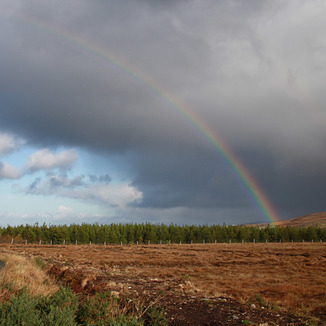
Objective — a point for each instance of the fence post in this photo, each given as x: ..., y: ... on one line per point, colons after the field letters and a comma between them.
x: 12, y: 240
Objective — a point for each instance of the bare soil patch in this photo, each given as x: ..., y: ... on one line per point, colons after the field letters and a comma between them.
x: 201, y: 284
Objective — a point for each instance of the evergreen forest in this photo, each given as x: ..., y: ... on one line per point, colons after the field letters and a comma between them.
x: 147, y: 233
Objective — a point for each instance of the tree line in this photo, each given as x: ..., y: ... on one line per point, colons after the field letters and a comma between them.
x: 130, y: 233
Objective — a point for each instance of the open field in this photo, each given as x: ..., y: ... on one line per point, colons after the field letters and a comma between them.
x: 289, y: 277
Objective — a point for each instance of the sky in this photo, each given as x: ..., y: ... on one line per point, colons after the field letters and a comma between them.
x: 186, y: 112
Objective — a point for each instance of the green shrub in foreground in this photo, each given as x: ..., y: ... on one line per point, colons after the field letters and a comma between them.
x: 56, y: 310
x: 63, y: 308
x: 107, y: 309
x: 156, y: 317
x: 20, y: 310
x: 59, y: 309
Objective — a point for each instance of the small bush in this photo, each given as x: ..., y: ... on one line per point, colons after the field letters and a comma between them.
x: 19, y: 310
x: 156, y: 317
x: 261, y: 301
x: 60, y: 308
x: 105, y: 308
x: 24, y: 309
x: 247, y: 322
x: 40, y: 262
x: 7, y: 285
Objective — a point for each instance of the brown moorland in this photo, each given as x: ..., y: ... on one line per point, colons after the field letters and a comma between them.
x: 280, y: 279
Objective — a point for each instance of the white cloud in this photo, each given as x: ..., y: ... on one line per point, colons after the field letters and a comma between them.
x: 46, y: 160
x: 8, y: 171
x: 8, y: 144
x: 64, y: 210
x: 117, y: 195
x: 49, y: 217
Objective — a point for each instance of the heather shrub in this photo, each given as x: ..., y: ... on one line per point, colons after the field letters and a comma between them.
x: 105, y: 308
x: 20, y: 310
x: 59, y: 309
x: 24, y: 309
x: 156, y: 316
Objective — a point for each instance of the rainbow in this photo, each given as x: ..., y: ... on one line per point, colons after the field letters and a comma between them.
x: 252, y: 188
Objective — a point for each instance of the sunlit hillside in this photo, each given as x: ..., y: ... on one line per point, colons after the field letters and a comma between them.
x: 316, y: 219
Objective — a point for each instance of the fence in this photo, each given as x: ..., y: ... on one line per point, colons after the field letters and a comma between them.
x: 8, y: 240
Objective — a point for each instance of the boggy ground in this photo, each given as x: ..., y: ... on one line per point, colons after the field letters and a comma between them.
x: 201, y: 284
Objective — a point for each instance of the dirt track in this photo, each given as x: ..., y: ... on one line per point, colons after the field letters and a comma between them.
x: 201, y: 284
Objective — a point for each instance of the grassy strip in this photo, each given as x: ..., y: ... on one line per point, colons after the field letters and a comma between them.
x: 20, y: 273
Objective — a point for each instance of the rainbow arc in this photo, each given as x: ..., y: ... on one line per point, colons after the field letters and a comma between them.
x: 253, y: 189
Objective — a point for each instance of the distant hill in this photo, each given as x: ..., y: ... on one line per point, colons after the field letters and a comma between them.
x: 316, y: 219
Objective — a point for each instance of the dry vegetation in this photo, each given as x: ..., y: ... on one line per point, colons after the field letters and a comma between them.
x: 289, y: 275
x: 21, y: 273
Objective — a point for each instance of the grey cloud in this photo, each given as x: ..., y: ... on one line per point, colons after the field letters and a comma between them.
x: 101, y: 179
x: 119, y: 195
x: 54, y: 182
x: 34, y: 185
x: 58, y: 181
x: 204, y: 181
x: 253, y: 71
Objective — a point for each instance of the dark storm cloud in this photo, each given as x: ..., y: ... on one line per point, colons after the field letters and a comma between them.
x: 253, y: 70
x: 202, y: 180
